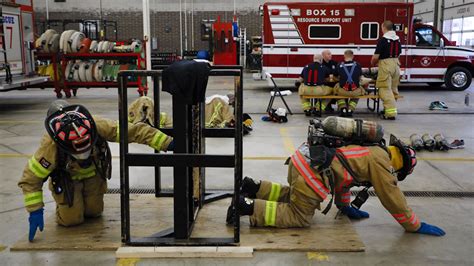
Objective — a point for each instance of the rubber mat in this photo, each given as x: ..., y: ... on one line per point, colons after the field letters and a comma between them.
x: 151, y: 215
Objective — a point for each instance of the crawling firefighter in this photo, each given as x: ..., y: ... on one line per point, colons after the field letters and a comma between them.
x: 219, y: 113
x: 330, y: 164
x: 76, y: 155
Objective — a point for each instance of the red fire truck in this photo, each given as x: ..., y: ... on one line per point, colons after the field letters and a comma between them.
x: 17, y: 61
x: 293, y: 32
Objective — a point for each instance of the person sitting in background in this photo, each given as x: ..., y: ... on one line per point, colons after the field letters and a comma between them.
x: 311, y: 83
x: 349, y: 84
x: 333, y: 75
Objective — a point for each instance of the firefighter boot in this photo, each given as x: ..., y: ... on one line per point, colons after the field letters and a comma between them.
x: 244, y: 207
x: 249, y: 187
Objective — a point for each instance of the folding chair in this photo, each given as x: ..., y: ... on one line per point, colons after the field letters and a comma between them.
x: 276, y: 92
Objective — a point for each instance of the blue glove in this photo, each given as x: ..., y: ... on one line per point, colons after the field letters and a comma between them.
x: 429, y: 229
x: 354, y: 213
x: 36, y: 221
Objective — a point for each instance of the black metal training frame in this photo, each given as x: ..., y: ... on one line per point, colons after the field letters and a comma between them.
x: 183, y: 159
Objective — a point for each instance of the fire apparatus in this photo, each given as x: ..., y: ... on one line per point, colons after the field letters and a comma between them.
x: 293, y: 32
x: 17, y: 61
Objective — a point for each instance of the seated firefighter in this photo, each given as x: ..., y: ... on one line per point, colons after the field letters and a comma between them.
x: 349, y: 85
x: 76, y: 155
x: 218, y: 113
x: 317, y: 171
x: 311, y: 83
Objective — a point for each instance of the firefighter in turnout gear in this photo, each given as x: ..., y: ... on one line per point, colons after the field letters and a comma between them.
x: 311, y: 81
x: 349, y: 84
x: 386, y: 56
x: 284, y: 206
x: 76, y: 155
x: 219, y: 113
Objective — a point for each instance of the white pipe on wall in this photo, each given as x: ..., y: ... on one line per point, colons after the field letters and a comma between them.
x: 180, y: 29
x: 146, y: 36
x: 185, y: 26
x: 47, y: 10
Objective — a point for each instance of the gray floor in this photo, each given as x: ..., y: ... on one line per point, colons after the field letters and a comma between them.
x: 22, y: 114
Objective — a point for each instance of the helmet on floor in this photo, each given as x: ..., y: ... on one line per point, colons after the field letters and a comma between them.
x: 71, y: 127
x: 408, y: 157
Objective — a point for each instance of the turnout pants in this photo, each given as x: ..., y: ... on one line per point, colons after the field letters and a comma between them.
x: 88, y: 201
x: 351, y: 104
x: 387, y: 83
x: 285, y: 206
x: 322, y: 90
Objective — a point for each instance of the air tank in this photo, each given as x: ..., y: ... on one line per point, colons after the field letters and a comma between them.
x: 369, y: 131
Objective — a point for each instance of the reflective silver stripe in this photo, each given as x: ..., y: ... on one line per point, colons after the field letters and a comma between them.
x: 355, y: 152
x: 309, y: 175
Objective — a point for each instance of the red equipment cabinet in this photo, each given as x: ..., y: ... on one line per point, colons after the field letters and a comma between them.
x: 225, y: 47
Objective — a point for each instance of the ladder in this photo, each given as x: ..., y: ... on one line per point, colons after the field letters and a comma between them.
x: 5, y: 66
x: 243, y: 46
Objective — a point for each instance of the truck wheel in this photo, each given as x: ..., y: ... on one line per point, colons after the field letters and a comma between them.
x: 458, y: 78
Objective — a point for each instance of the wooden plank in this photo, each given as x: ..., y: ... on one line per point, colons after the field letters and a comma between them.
x: 151, y: 215
x: 326, y: 234
x: 184, y: 252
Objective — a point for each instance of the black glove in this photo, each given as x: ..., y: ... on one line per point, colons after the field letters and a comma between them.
x: 297, y: 84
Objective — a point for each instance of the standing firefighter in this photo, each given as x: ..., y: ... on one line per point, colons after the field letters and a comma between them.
x: 327, y: 166
x: 349, y: 84
x: 76, y: 155
x: 313, y: 78
x: 386, y: 55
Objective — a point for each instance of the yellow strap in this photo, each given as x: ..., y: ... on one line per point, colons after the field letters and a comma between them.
x: 37, y: 169
x: 270, y: 213
x: 275, y: 192
x: 33, y: 198
x: 157, y: 141
x: 84, y: 173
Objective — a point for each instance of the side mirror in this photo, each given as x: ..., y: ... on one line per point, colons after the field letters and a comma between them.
x: 441, y: 43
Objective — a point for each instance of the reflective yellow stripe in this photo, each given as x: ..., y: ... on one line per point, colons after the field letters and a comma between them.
x: 162, y: 119
x: 275, y: 192
x: 306, y: 105
x: 214, y: 115
x: 157, y: 141
x: 84, y: 173
x: 391, y: 111
x: 341, y: 102
x: 117, y: 134
x: 33, y: 198
x: 270, y: 213
x: 37, y: 169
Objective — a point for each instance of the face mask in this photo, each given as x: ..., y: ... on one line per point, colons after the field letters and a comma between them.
x: 82, y: 156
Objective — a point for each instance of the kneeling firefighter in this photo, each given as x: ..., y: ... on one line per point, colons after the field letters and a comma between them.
x: 340, y: 153
x: 76, y: 155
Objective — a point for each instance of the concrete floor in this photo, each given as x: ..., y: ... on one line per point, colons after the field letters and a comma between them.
x: 21, y: 126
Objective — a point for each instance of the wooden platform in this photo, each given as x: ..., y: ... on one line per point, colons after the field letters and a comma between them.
x: 151, y: 215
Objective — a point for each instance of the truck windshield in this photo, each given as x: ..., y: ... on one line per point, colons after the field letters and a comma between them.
x: 425, y: 36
